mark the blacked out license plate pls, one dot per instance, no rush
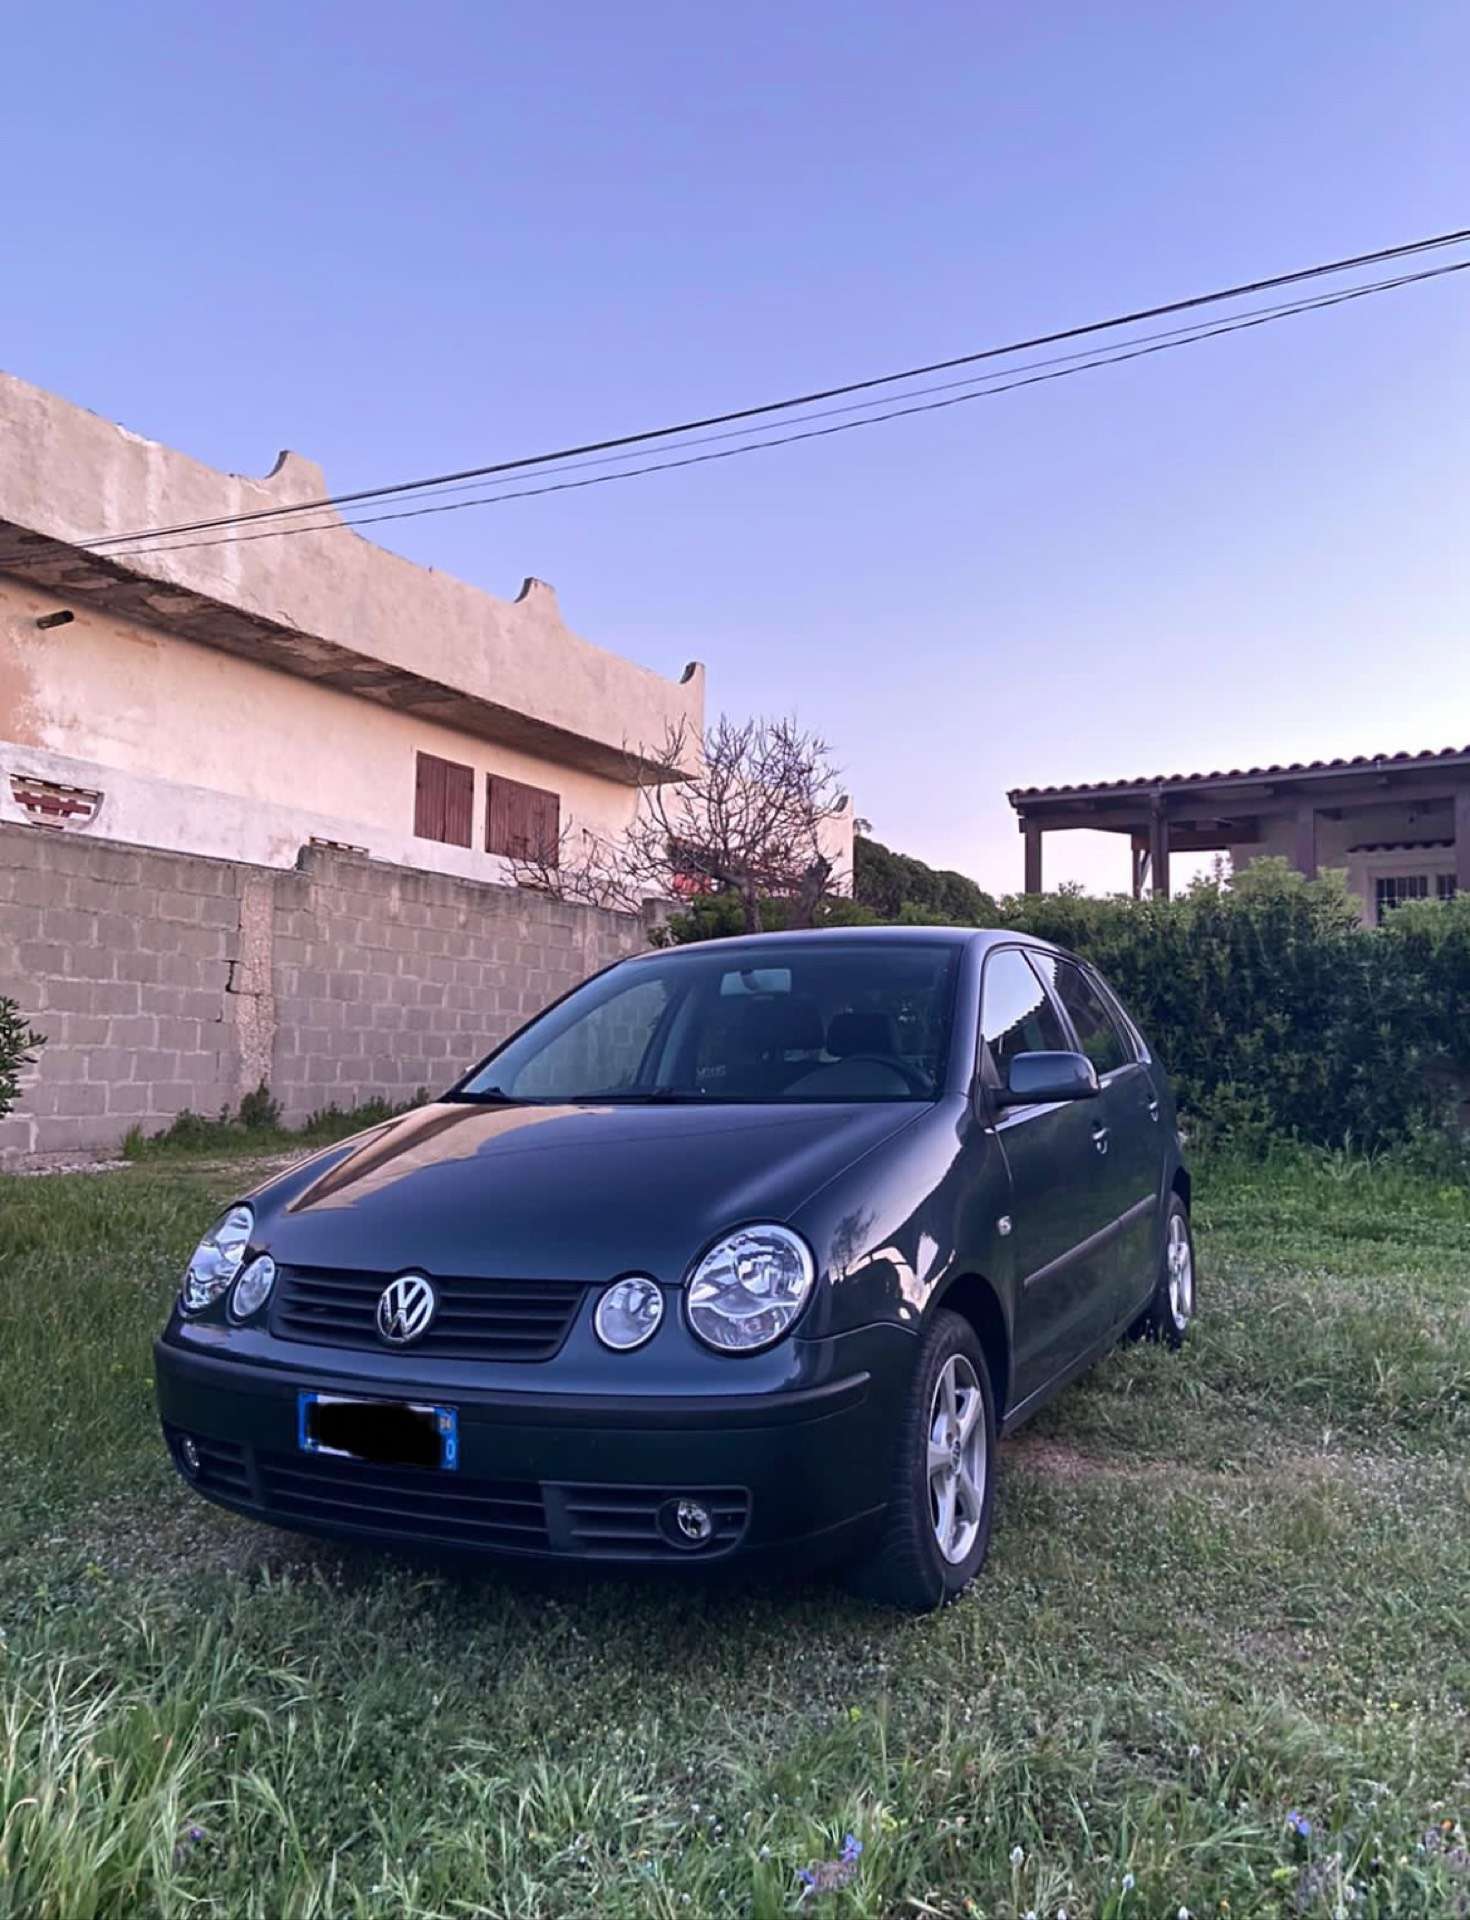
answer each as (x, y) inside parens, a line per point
(387, 1433)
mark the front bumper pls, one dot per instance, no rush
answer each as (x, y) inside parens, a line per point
(802, 1472)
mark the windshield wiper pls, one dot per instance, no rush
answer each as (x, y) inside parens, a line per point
(641, 1096)
(488, 1097)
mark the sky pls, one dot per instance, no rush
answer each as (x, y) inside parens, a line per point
(405, 239)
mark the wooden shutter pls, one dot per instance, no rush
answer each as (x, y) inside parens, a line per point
(443, 800)
(459, 805)
(522, 822)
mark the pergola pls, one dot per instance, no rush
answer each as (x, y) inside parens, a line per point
(1215, 812)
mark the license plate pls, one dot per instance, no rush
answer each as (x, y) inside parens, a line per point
(386, 1433)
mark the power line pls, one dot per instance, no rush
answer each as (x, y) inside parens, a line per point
(1243, 290)
(1238, 324)
(1181, 336)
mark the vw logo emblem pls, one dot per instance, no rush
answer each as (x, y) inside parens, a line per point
(405, 1308)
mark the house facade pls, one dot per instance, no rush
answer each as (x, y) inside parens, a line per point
(1398, 824)
(245, 698)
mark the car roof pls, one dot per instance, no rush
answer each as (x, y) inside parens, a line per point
(856, 936)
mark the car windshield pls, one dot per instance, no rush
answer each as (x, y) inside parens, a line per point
(829, 1022)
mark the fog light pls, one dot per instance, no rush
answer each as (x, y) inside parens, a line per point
(686, 1523)
(693, 1521)
(189, 1454)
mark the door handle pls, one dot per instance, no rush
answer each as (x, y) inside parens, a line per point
(1153, 1108)
(1100, 1138)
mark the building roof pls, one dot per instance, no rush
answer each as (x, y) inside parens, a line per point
(328, 604)
(1145, 784)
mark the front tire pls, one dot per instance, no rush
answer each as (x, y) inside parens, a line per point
(937, 1526)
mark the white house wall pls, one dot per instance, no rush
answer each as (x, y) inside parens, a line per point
(199, 751)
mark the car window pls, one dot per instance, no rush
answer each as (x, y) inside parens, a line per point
(606, 1050)
(813, 1021)
(1015, 1014)
(1132, 1038)
(1098, 1033)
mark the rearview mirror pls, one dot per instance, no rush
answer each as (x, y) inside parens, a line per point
(1032, 1079)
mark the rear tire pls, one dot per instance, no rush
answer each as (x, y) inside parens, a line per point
(936, 1529)
(1170, 1314)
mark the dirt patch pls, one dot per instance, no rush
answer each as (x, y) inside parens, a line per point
(37, 1166)
(180, 1534)
(1055, 1460)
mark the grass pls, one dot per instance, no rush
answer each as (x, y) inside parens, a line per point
(1225, 1587)
(256, 1129)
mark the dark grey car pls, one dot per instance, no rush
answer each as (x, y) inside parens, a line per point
(751, 1248)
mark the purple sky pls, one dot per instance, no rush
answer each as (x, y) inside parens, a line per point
(407, 238)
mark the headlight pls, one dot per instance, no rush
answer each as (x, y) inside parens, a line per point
(629, 1313)
(747, 1290)
(253, 1288)
(217, 1259)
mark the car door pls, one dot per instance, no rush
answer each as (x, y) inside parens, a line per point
(1129, 1111)
(1061, 1191)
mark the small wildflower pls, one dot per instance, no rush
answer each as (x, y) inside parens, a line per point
(1299, 1824)
(1184, 1914)
(1129, 1883)
(1018, 1855)
(826, 1876)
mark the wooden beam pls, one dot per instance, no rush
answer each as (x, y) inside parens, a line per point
(1158, 851)
(1305, 843)
(1033, 858)
(1140, 865)
(1462, 840)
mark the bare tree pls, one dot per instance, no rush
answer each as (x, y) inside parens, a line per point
(582, 866)
(742, 810)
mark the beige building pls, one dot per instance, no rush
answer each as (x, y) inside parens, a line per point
(242, 698)
(1398, 824)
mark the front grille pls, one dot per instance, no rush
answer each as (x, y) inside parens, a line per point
(622, 1523)
(475, 1319)
(441, 1508)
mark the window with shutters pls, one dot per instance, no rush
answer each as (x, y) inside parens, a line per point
(443, 801)
(521, 822)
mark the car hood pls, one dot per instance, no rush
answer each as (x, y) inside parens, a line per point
(576, 1192)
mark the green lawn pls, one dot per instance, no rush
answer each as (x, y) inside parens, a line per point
(1224, 1587)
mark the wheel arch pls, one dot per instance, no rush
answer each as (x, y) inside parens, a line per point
(1184, 1187)
(974, 1299)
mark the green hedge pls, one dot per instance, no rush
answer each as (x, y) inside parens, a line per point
(1276, 1012)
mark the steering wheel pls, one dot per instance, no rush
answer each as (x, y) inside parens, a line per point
(915, 1081)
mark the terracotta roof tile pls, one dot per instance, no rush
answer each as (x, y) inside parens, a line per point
(1173, 781)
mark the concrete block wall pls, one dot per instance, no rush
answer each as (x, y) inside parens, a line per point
(164, 981)
(388, 979)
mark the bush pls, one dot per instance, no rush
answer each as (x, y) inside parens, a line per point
(897, 887)
(19, 1045)
(1276, 1012)
(721, 916)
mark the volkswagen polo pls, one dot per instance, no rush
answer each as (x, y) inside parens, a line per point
(750, 1249)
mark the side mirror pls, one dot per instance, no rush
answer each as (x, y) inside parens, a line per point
(1032, 1079)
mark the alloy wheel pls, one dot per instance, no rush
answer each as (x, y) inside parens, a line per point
(1179, 1261)
(957, 1458)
